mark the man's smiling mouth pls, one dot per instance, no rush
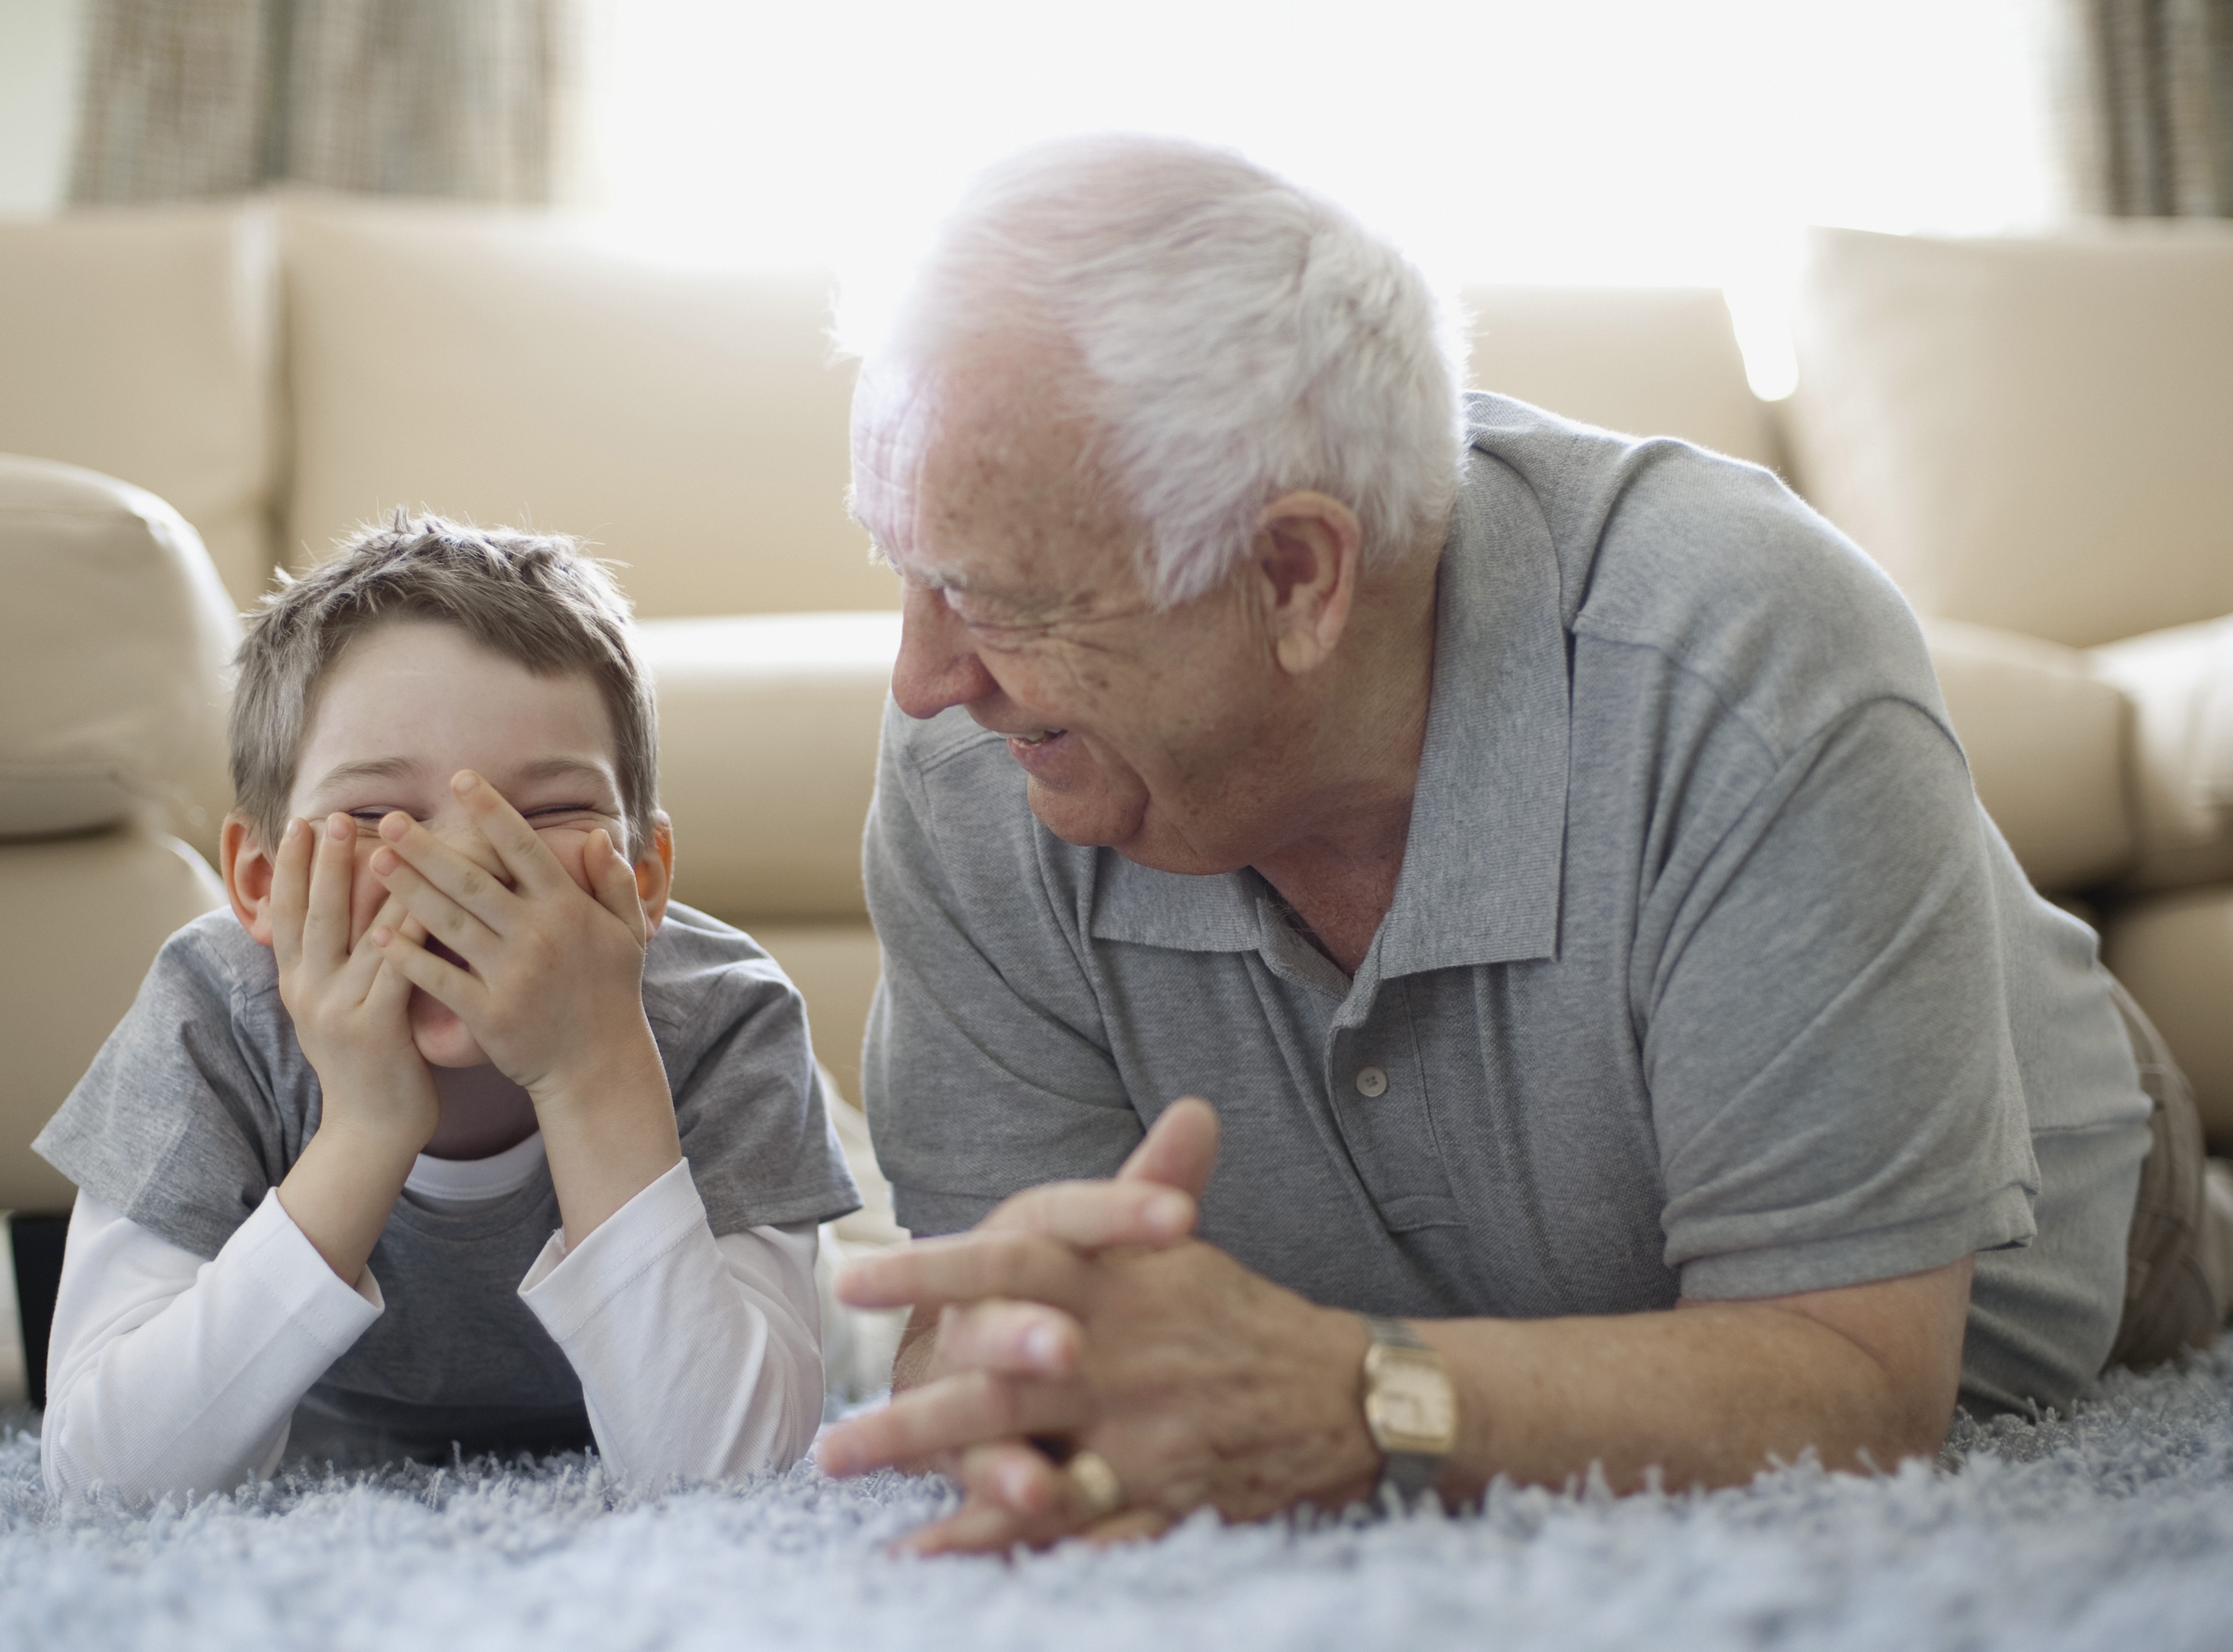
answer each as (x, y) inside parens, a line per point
(1040, 738)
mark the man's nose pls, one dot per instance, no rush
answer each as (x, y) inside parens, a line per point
(938, 667)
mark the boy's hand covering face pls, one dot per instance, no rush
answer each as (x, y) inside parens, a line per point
(553, 990)
(349, 1002)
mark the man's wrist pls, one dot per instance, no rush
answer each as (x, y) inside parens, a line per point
(1351, 1461)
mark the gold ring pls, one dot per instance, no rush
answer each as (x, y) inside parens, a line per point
(1090, 1472)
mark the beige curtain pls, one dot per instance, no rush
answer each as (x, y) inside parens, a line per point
(2148, 96)
(463, 98)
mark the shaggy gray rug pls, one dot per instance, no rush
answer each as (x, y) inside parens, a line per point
(2111, 1529)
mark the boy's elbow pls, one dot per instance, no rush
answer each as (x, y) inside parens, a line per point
(81, 1462)
(54, 1470)
(71, 1465)
(75, 1475)
(808, 1391)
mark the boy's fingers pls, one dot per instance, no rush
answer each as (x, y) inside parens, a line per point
(463, 931)
(325, 921)
(290, 892)
(391, 987)
(613, 880)
(520, 847)
(463, 881)
(439, 977)
(366, 958)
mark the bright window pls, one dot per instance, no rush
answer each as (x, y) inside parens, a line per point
(1556, 140)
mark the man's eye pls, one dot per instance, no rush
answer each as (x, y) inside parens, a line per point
(554, 810)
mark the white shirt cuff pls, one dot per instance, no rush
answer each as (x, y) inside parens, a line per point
(567, 1288)
(278, 1256)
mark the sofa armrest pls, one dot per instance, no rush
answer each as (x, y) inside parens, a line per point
(2175, 951)
(2047, 741)
(767, 756)
(80, 920)
(2180, 682)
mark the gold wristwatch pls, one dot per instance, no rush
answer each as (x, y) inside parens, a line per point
(1410, 1407)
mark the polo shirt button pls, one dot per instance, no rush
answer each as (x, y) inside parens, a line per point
(1370, 1082)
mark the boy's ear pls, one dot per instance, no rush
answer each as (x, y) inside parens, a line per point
(654, 872)
(246, 867)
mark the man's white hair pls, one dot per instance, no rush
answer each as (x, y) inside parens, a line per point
(1242, 338)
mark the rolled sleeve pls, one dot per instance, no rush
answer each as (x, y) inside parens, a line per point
(1833, 1076)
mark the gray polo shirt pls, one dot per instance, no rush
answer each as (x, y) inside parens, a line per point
(1705, 976)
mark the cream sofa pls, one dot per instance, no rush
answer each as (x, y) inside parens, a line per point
(283, 371)
(2034, 436)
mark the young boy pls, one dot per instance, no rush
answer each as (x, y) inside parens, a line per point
(451, 1008)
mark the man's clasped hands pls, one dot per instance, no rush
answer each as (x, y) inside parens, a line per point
(1083, 1317)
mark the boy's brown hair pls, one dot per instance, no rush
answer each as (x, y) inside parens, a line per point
(533, 598)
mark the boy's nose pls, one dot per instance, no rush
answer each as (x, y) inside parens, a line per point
(461, 835)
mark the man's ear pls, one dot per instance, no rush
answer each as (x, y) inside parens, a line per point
(246, 867)
(654, 872)
(1304, 560)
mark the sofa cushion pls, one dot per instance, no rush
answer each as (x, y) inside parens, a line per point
(1650, 360)
(836, 967)
(115, 641)
(2180, 682)
(2175, 951)
(2026, 433)
(138, 343)
(510, 371)
(767, 756)
(80, 920)
(2046, 739)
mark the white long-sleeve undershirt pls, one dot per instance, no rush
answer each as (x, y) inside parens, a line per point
(700, 1358)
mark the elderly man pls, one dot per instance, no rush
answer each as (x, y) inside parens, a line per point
(1545, 851)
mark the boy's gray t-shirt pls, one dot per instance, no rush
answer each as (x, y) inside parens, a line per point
(1705, 975)
(201, 1101)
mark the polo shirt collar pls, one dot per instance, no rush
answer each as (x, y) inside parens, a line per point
(1189, 914)
(1484, 855)
(1486, 850)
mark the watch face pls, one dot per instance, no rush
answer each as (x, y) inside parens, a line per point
(1410, 1404)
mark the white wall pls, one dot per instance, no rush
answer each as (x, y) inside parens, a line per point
(38, 103)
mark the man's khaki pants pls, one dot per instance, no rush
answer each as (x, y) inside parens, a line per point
(2178, 1264)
